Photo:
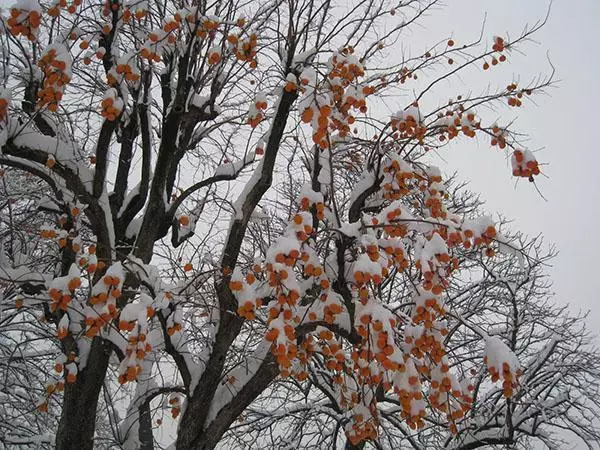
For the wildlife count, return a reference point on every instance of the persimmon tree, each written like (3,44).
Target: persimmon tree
(235,215)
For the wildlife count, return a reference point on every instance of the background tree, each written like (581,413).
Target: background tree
(174,275)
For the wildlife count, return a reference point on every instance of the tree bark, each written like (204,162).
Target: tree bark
(193,438)
(350,446)
(80,403)
(78,418)
(145,428)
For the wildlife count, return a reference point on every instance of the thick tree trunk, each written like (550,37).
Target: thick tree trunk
(204,442)
(194,436)
(78,419)
(350,446)
(145,428)
(191,433)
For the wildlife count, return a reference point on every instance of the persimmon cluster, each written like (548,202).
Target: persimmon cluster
(62,330)
(378,345)
(174,322)
(242,289)
(63,238)
(392,221)
(398,178)
(278,277)
(509,382)
(346,66)
(515,99)
(54,10)
(498,137)
(134,319)
(50,389)
(214,55)
(310,200)
(148,53)
(96,322)
(401,179)
(457,120)
(245,49)
(367,271)
(59,300)
(111,105)
(135,352)
(320,121)
(256,110)
(434,196)
(347,95)
(137,11)
(330,309)
(408,387)
(291,83)
(89,262)
(406,74)
(424,340)
(395,252)
(498,46)
(434,263)
(66,365)
(160,39)
(304,352)
(125,69)
(502,365)
(449,396)
(378,361)
(47,233)
(285,292)
(284,349)
(524,164)
(363,424)
(102,303)
(207,26)
(55,63)
(25,19)
(63,289)
(101,311)
(283,345)
(333,110)
(175,404)
(302,224)
(334,356)
(407,124)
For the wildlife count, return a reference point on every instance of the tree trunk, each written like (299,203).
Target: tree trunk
(193,436)
(78,419)
(145,428)
(350,446)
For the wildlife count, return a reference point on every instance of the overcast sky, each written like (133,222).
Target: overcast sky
(561,126)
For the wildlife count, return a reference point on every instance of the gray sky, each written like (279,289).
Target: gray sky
(561,125)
